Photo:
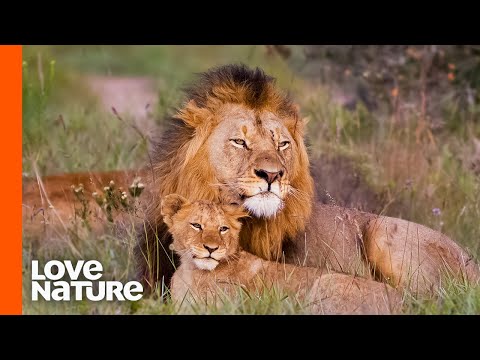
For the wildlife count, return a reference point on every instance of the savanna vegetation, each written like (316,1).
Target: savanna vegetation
(392,130)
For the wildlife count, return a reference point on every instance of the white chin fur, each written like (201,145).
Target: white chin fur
(263,205)
(205,264)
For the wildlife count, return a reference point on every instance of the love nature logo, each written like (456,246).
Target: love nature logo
(50,286)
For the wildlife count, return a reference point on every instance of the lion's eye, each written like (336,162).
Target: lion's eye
(283,145)
(196,226)
(223,229)
(238,143)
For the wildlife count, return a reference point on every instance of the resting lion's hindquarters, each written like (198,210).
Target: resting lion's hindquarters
(316,289)
(333,239)
(416,257)
(346,294)
(331,293)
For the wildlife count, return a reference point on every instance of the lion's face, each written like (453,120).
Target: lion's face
(237,139)
(205,232)
(252,154)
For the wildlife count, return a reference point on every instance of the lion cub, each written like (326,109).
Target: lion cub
(206,237)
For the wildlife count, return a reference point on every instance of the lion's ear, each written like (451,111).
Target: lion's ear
(193,115)
(296,107)
(170,205)
(235,211)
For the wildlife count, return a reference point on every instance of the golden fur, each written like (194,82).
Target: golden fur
(414,256)
(184,164)
(235,269)
(190,173)
(197,159)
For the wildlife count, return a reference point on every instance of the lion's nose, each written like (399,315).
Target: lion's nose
(210,248)
(269,176)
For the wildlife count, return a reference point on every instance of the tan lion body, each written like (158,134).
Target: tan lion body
(239,140)
(235,270)
(322,292)
(405,254)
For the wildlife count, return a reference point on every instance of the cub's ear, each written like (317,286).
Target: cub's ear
(170,205)
(235,211)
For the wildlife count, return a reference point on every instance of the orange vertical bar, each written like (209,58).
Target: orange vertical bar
(11,179)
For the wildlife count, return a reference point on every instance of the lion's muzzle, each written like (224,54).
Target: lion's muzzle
(265,191)
(265,204)
(269,176)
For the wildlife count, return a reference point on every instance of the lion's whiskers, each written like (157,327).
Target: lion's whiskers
(185,254)
(232,257)
(296,193)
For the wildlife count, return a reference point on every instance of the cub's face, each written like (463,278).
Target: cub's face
(205,232)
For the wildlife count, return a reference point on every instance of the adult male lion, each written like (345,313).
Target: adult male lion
(239,140)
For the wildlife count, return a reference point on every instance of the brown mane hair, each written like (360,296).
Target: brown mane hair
(180,166)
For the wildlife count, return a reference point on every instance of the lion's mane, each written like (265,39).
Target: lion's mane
(181,165)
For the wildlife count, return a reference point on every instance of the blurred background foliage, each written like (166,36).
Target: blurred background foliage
(446,79)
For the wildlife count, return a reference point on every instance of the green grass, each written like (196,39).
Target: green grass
(175,65)
(419,176)
(454,298)
(115,254)
(65,129)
